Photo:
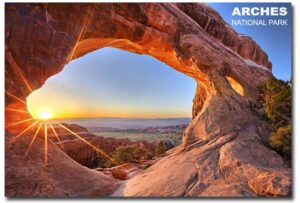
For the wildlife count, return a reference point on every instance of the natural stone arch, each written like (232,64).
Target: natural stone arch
(175,39)
(191,38)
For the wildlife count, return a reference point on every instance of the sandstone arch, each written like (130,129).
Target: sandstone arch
(193,39)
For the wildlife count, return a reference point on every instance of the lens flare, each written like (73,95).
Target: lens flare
(44,115)
(43,120)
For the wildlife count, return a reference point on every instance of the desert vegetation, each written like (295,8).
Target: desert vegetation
(160,149)
(276,99)
(153,135)
(131,154)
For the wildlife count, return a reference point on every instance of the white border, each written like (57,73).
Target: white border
(296,140)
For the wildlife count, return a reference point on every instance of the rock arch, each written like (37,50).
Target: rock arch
(193,39)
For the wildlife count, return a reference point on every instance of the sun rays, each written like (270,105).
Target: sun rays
(44,122)
(16,110)
(88,143)
(56,135)
(46,125)
(23,132)
(84,27)
(46,143)
(19,122)
(15,97)
(33,138)
(17,70)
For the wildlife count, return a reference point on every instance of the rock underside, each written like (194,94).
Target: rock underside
(222,152)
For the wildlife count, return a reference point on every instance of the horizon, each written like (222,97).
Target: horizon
(146,118)
(113,83)
(110,82)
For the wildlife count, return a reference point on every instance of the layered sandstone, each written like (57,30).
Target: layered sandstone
(222,152)
(87,156)
(30,176)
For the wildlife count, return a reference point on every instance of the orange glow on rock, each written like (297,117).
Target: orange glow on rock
(237,87)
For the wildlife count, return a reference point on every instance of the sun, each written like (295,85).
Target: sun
(44,115)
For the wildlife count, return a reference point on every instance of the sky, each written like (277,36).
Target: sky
(115,83)
(276,41)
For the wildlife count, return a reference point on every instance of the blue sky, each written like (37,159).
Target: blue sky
(275,40)
(114,83)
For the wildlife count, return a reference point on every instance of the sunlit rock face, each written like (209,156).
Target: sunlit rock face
(222,153)
(87,156)
(235,86)
(29,177)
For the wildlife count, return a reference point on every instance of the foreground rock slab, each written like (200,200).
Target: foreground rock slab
(61,177)
(225,166)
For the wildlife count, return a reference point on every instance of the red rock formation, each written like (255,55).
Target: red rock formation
(222,153)
(123,171)
(87,156)
(29,177)
(74,127)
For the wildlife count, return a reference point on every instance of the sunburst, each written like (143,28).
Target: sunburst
(23,132)
(45,116)
(19,122)
(86,142)
(33,138)
(16,110)
(46,143)
(45,122)
(15,97)
(17,70)
(56,135)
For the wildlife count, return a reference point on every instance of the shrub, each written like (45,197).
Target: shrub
(132,154)
(160,149)
(281,141)
(147,166)
(276,98)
